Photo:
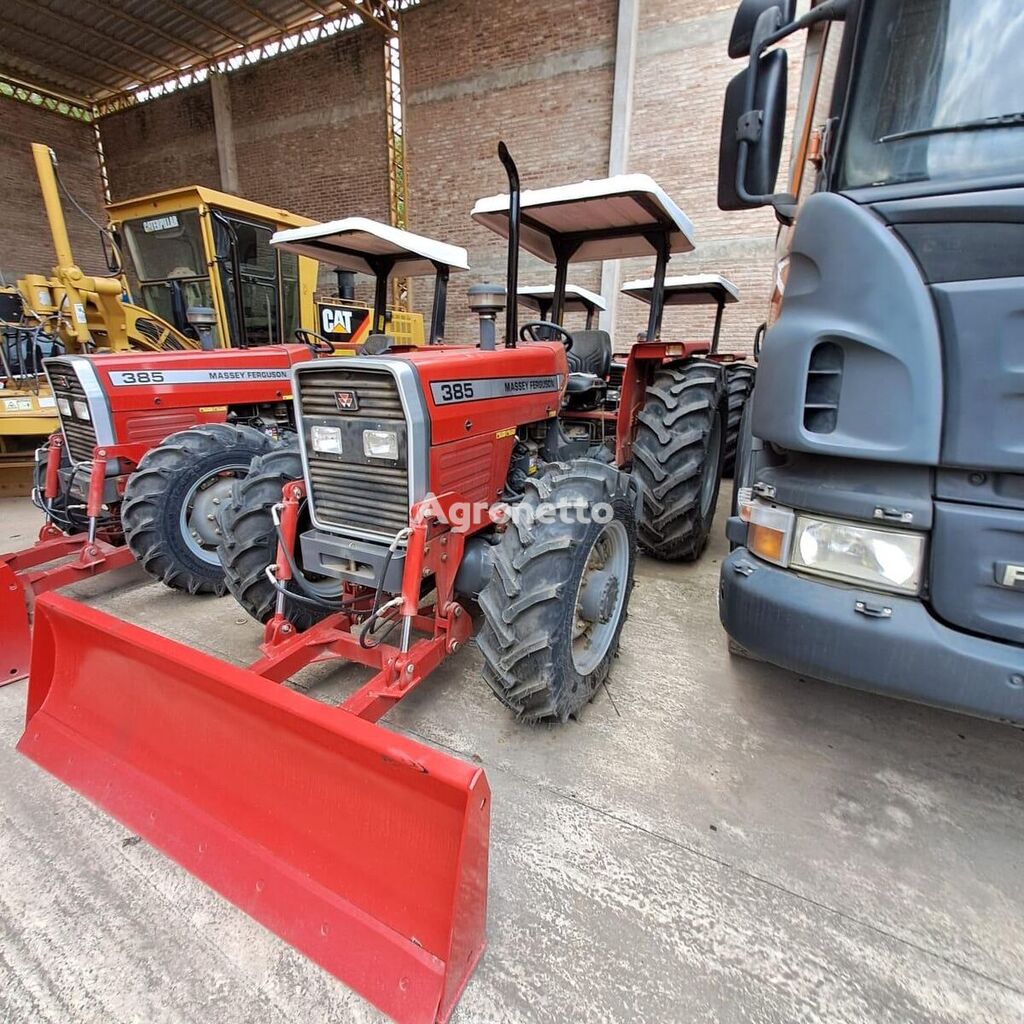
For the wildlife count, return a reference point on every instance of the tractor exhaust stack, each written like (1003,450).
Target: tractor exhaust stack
(512,274)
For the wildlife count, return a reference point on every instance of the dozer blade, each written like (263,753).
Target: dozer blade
(363,849)
(14,627)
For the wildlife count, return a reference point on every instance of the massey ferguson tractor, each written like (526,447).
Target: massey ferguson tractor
(879,529)
(661,414)
(709,290)
(150,442)
(427,481)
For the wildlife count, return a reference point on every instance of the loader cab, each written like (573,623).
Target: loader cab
(689,291)
(201,260)
(357,245)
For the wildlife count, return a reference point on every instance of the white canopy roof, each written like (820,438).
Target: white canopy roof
(608,216)
(577,299)
(351,243)
(693,290)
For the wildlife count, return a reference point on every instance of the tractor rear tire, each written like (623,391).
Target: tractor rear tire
(739,383)
(249,538)
(559,592)
(677,457)
(171,501)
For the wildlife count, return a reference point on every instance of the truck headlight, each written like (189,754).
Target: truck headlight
(81,408)
(64,407)
(882,559)
(326,439)
(380,444)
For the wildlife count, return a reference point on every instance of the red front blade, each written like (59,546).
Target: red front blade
(363,849)
(14,627)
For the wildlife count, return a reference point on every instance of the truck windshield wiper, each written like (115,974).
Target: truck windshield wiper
(980,124)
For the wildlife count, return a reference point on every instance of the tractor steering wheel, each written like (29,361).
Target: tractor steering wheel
(317,342)
(532,332)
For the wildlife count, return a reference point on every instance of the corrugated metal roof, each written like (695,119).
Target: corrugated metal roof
(93,50)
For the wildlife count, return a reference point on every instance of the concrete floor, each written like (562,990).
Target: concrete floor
(721,842)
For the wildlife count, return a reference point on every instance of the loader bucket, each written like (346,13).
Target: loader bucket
(363,849)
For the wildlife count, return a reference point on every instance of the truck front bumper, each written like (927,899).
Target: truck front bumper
(884,643)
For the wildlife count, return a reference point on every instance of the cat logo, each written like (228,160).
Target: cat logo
(334,319)
(348,401)
(344,325)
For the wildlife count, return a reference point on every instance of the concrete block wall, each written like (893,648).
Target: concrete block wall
(25,243)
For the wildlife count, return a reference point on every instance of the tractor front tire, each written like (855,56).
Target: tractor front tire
(677,457)
(739,384)
(559,592)
(249,539)
(169,513)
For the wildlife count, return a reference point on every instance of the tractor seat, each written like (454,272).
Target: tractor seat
(591,353)
(376,344)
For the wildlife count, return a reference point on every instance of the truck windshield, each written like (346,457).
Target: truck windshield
(939,94)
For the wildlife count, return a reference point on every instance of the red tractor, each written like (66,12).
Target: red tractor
(149,447)
(426,479)
(662,414)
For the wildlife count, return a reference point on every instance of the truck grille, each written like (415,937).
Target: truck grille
(79,434)
(351,490)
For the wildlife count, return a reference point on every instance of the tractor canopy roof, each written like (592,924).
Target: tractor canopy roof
(365,246)
(608,219)
(691,290)
(577,299)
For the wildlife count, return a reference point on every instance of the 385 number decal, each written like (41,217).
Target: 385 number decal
(456,391)
(142,377)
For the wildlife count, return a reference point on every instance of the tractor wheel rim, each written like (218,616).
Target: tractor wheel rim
(199,527)
(607,566)
(711,467)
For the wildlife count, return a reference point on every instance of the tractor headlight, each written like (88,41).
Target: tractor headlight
(81,407)
(883,559)
(326,440)
(380,444)
(64,407)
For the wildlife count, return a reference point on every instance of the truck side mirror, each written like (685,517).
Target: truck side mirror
(761,127)
(746,18)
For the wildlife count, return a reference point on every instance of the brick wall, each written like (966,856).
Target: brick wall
(682,71)
(161,144)
(308,129)
(539,76)
(310,134)
(27,247)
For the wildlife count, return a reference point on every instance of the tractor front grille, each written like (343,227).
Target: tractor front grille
(79,434)
(351,490)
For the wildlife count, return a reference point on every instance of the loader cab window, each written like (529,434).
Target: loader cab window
(169,264)
(261,286)
(939,95)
